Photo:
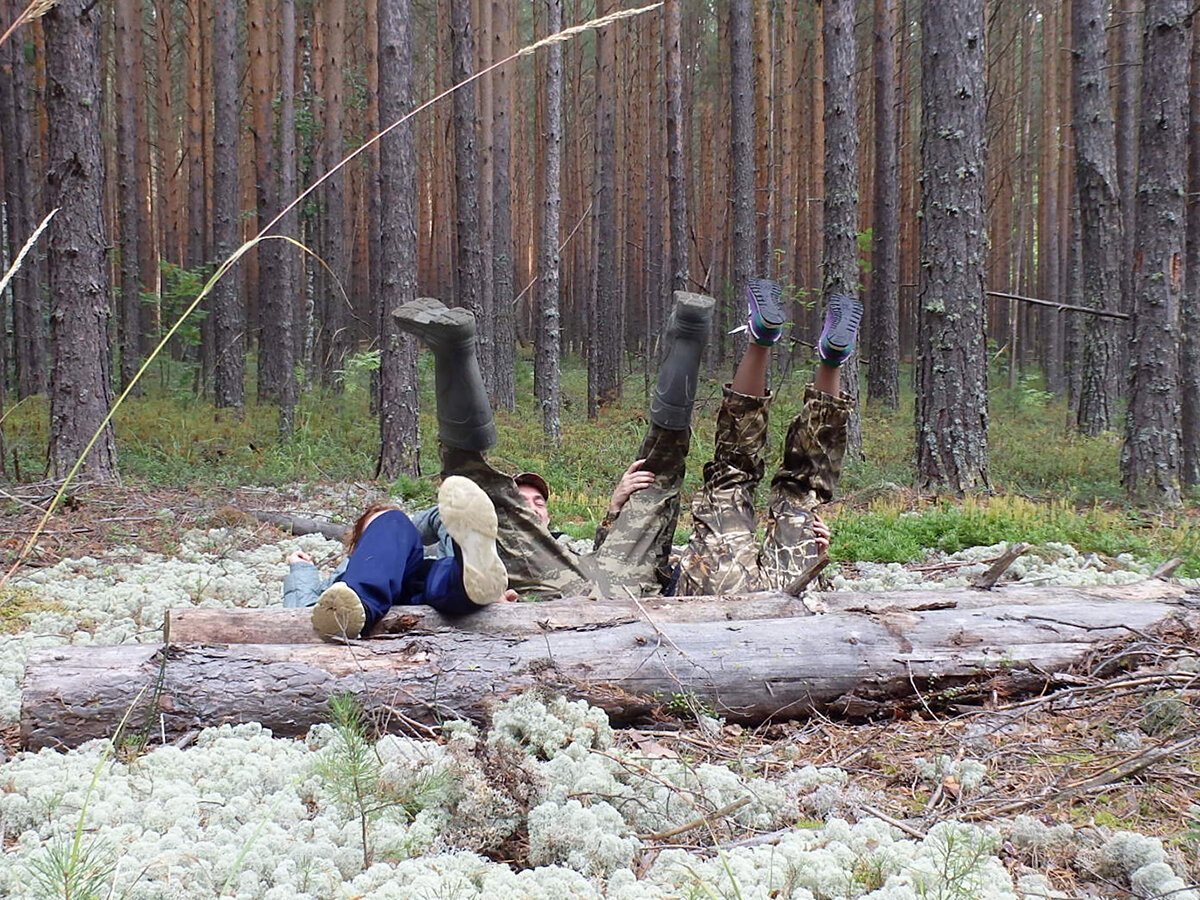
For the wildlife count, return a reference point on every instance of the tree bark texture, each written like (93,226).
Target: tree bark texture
(883,311)
(1150,455)
(337,325)
(677,181)
(952,415)
(840,247)
(128,81)
(876,659)
(284,329)
(505,314)
(607,319)
(1189,310)
(1129,73)
(80,389)
(741,147)
(228,315)
(466,188)
(1100,213)
(399,405)
(268,300)
(547,376)
(16,145)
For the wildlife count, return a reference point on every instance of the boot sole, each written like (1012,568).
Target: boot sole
(426,312)
(766,300)
(339,614)
(470,518)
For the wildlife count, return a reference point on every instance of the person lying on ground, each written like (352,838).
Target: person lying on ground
(633,542)
(387,566)
(724,554)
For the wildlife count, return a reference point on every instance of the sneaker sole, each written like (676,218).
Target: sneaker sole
(847,316)
(766,296)
(339,614)
(470,519)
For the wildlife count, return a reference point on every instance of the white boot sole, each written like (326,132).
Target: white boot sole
(339,614)
(470,518)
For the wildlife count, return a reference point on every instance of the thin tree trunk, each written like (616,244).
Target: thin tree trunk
(399,425)
(504,394)
(762,138)
(607,321)
(287,259)
(741,149)
(1100,213)
(127,77)
(549,332)
(1129,70)
(676,158)
(266,297)
(1049,270)
(840,254)
(1150,455)
(952,417)
(469,265)
(334,301)
(228,331)
(1189,310)
(80,390)
(883,376)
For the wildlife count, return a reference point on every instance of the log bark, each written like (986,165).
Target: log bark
(872,655)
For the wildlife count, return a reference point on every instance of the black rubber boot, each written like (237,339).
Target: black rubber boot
(464,411)
(687,335)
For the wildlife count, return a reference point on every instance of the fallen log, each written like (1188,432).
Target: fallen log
(897,649)
(292,626)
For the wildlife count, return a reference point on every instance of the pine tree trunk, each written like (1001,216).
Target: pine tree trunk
(469,264)
(1129,70)
(549,332)
(840,253)
(228,321)
(1049,270)
(399,429)
(336,325)
(952,417)
(266,296)
(127,77)
(741,149)
(883,375)
(80,390)
(1150,455)
(1189,310)
(761,25)
(283,330)
(16,145)
(676,155)
(607,331)
(1100,213)
(505,315)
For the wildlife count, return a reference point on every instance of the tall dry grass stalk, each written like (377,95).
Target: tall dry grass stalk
(558,37)
(35,10)
(16,265)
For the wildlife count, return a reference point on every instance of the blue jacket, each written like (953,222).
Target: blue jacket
(303,583)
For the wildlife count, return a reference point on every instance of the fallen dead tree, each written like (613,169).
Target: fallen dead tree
(738,657)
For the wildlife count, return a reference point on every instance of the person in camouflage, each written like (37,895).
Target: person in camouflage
(724,555)
(632,545)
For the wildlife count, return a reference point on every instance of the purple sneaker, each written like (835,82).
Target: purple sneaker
(765,322)
(843,315)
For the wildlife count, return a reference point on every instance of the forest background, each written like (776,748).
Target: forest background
(1004,184)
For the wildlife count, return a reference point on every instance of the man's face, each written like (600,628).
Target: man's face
(536,502)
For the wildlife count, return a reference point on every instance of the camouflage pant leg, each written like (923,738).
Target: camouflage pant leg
(536,562)
(722,556)
(636,551)
(812,464)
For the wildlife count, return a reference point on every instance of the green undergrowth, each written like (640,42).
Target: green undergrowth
(1050,483)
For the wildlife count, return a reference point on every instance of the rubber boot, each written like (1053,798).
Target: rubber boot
(687,335)
(463,409)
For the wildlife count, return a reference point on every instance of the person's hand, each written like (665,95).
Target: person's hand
(634,479)
(300,556)
(822,534)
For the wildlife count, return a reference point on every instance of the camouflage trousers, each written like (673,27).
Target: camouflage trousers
(631,554)
(725,555)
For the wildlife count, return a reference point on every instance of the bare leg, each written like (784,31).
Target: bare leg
(750,379)
(828,379)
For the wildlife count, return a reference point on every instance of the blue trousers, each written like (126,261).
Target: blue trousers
(388,568)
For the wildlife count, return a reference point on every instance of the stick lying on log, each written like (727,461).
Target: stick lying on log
(298,525)
(748,670)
